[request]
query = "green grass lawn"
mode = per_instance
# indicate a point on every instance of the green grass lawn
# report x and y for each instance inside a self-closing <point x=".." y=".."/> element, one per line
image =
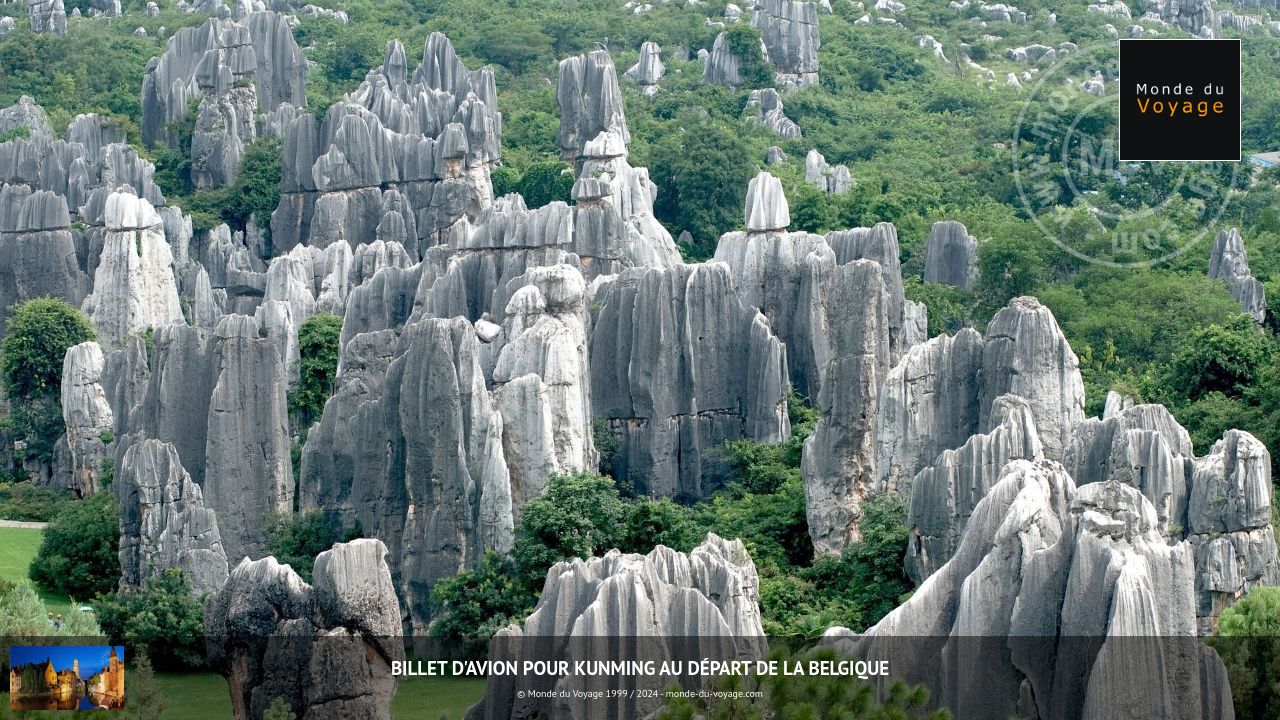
<point x="203" y="696"/>
<point x="18" y="548"/>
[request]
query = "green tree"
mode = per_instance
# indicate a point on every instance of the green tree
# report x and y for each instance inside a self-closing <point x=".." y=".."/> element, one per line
<point x="1223" y="358"/>
<point x="546" y="182"/>
<point x="36" y="340"/>
<point x="279" y="710"/>
<point x="79" y="553"/>
<point x="147" y="700"/>
<point x="22" y="614"/>
<point x="578" y="515"/>
<point x="162" y="617"/>
<point x="746" y="45"/>
<point x="475" y="604"/>
<point x="296" y="540"/>
<point x="702" y="174"/>
<point x="319" y="341"/>
<point x="649" y="523"/>
<point x="1248" y="640"/>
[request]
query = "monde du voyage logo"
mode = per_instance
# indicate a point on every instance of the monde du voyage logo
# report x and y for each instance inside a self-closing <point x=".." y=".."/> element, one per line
<point x="1179" y="100"/>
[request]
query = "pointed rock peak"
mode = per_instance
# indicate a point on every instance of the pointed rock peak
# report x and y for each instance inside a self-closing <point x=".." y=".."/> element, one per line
<point x="126" y="211"/>
<point x="766" y="204"/>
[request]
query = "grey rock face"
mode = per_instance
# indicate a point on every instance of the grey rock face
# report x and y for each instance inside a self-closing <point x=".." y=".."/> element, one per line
<point x="422" y="148"/>
<point x="722" y="67"/>
<point x="1081" y="588"/>
<point x="248" y="471"/>
<point x="1230" y="262"/>
<point x="769" y="113"/>
<point x="38" y="249"/>
<point x="648" y="70"/>
<point x="839" y="461"/>
<point x="441" y="495"/>
<point x="134" y="285"/>
<point x="25" y="113"/>
<point x="47" y="16"/>
<point x="766" y="204"/>
<point x="590" y="104"/>
<point x="775" y="156"/>
<point x="7" y="25"/>
<point x="541" y="381"/>
<point x="701" y="605"/>
<point x="942" y="391"/>
<point x="255" y="56"/>
<point x="87" y="416"/>
<point x="951" y="255"/>
<point x="164" y="522"/>
<point x="326" y="649"/>
<point x="831" y="179"/>
<point x="679" y="365"/>
<point x="1229" y="524"/>
<point x="944" y="495"/>
<point x="789" y="29"/>
<point x="219" y="398"/>
<point x="1026" y="354"/>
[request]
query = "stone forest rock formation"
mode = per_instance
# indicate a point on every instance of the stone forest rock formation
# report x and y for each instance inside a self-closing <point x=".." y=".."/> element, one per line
<point x="701" y="605"/>
<point x="326" y="648"/>
<point x="164" y="522"/>
<point x="1230" y="262"/>
<point x="951" y="255"/>
<point x="1083" y="592"/>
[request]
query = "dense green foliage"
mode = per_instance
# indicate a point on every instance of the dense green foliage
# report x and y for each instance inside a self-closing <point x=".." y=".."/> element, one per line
<point x="23" y="614"/>
<point x="1248" y="641"/>
<point x="161" y="617"/>
<point x="318" y="345"/>
<point x="812" y="697"/>
<point x="583" y="515"/>
<point x="296" y="539"/>
<point x="36" y="339"/>
<point x="79" y="554"/>
<point x="254" y="194"/>
<point x="29" y="502"/>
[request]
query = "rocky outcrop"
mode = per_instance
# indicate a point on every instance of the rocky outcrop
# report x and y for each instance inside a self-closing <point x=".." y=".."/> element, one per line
<point x="942" y="391"/>
<point x="219" y="397"/>
<point x="38" y="249"/>
<point x="944" y="495"/>
<point x="951" y="255"/>
<point x="1229" y="524"/>
<point x="134" y="287"/>
<point x="47" y="16"/>
<point x="1230" y="262"/>
<point x="721" y="66"/>
<point x="789" y="29"/>
<point x="769" y="112"/>
<point x="27" y="114"/>
<point x="236" y="69"/>
<point x="1059" y="602"/>
<point x="164" y="522"/>
<point x="838" y="463"/>
<point x="613" y="201"/>
<point x="1027" y="355"/>
<point x="420" y="146"/>
<point x="830" y="179"/>
<point x="540" y="380"/>
<point x="766" y="204"/>
<point x="667" y="605"/>
<point x="411" y="448"/>
<point x="326" y="649"/>
<point x="648" y="70"/>
<point x="679" y="365"/>
<point x="87" y="417"/>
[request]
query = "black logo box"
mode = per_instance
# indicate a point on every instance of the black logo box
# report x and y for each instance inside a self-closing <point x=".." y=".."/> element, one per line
<point x="1193" y="64"/>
